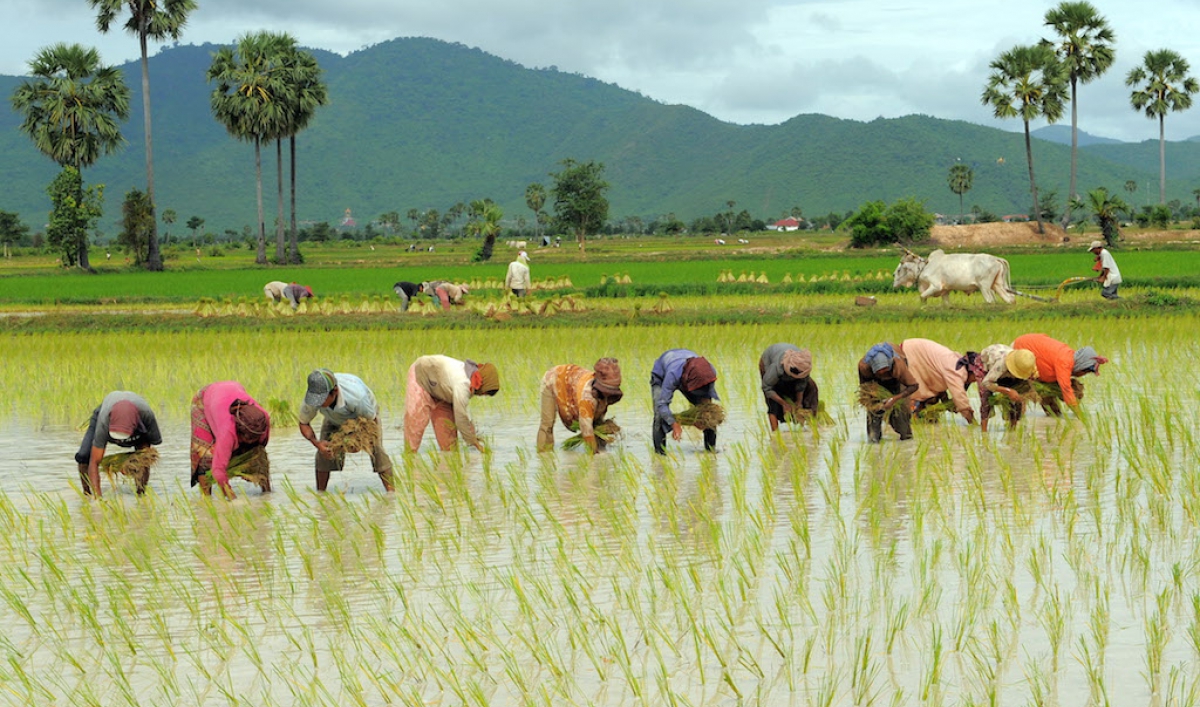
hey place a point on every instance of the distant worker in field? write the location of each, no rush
(293, 293)
(124, 419)
(689, 373)
(339, 398)
(439, 390)
(1004, 371)
(446, 293)
(940, 373)
(406, 291)
(578, 397)
(517, 280)
(887, 365)
(274, 290)
(226, 422)
(1059, 364)
(1110, 275)
(784, 371)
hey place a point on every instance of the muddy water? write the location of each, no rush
(1040, 565)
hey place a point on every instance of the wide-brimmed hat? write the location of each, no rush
(1095, 245)
(321, 383)
(608, 376)
(1021, 363)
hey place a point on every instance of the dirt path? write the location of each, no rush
(1008, 234)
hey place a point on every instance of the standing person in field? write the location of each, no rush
(1004, 369)
(689, 373)
(784, 371)
(293, 293)
(940, 372)
(1110, 274)
(406, 291)
(439, 390)
(1058, 363)
(887, 365)
(517, 279)
(339, 398)
(124, 419)
(578, 396)
(226, 422)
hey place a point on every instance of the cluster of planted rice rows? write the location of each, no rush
(1051, 565)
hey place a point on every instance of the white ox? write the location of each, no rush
(963, 272)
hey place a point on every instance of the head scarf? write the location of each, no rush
(797, 363)
(123, 420)
(1086, 361)
(879, 357)
(250, 421)
(489, 379)
(697, 373)
(523, 257)
(607, 378)
(973, 362)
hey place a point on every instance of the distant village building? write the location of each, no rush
(348, 220)
(787, 224)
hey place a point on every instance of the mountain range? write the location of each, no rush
(421, 123)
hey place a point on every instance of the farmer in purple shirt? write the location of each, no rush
(689, 373)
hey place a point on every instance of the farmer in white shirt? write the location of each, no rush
(1110, 274)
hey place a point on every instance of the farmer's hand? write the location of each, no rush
(1012, 395)
(887, 404)
(227, 490)
(323, 448)
(676, 431)
(970, 416)
(479, 446)
(789, 407)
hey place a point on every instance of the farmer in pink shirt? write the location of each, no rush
(226, 421)
(939, 373)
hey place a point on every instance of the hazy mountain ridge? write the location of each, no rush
(420, 123)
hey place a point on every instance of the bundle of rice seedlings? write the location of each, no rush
(872, 396)
(933, 412)
(663, 305)
(135, 464)
(606, 431)
(252, 467)
(1053, 391)
(787, 279)
(705, 416)
(281, 413)
(1026, 394)
(356, 435)
(801, 415)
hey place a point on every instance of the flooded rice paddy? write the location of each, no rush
(1054, 564)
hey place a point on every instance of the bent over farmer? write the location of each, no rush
(439, 390)
(689, 373)
(339, 398)
(578, 397)
(1058, 363)
(293, 293)
(124, 419)
(886, 365)
(226, 422)
(939, 372)
(784, 370)
(1004, 369)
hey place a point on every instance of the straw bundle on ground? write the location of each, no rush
(705, 416)
(872, 396)
(606, 431)
(357, 435)
(134, 464)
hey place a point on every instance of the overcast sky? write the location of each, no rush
(742, 61)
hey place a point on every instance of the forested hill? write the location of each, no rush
(420, 123)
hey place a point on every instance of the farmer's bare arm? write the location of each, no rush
(322, 446)
(94, 469)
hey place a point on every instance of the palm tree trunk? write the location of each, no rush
(280, 240)
(1162, 160)
(960, 209)
(1037, 212)
(153, 256)
(294, 248)
(261, 256)
(1071, 195)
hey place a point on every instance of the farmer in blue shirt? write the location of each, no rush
(689, 373)
(339, 398)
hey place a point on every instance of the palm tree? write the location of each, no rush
(1164, 87)
(168, 217)
(250, 100)
(1027, 82)
(485, 222)
(307, 93)
(148, 19)
(1107, 208)
(1084, 46)
(960, 179)
(72, 107)
(535, 199)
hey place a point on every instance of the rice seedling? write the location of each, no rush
(606, 431)
(355, 435)
(708, 415)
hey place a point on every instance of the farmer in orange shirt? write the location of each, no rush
(1059, 363)
(578, 396)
